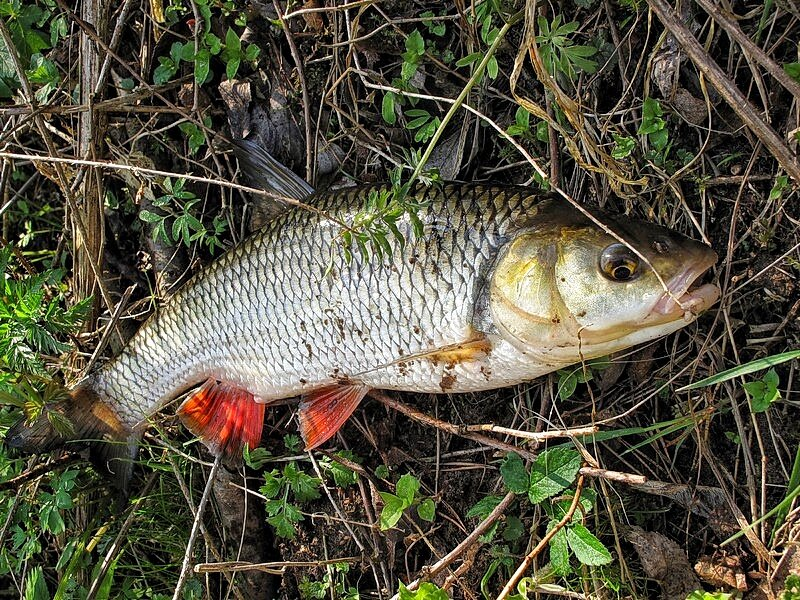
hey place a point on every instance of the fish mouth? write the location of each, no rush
(687, 297)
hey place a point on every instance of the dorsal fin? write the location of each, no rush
(267, 173)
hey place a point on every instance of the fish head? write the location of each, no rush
(565, 289)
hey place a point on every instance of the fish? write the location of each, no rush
(502, 284)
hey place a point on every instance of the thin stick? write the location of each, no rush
(276, 568)
(539, 436)
(628, 478)
(448, 427)
(187, 558)
(511, 584)
(472, 538)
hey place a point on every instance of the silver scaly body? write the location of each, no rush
(284, 313)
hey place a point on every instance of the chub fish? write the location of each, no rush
(504, 285)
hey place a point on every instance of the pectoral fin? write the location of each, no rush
(326, 409)
(225, 417)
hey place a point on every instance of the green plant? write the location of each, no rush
(703, 595)
(195, 135)
(407, 495)
(33, 319)
(545, 485)
(763, 392)
(559, 53)
(654, 126)
(425, 591)
(568, 379)
(283, 487)
(208, 45)
(333, 584)
(372, 226)
(623, 146)
(791, 588)
(341, 475)
(34, 28)
(176, 206)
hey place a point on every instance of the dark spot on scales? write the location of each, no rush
(447, 382)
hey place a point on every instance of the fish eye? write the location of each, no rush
(619, 263)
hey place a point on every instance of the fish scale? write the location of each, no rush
(267, 317)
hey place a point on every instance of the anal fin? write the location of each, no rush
(225, 417)
(324, 411)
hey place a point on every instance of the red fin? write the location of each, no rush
(225, 417)
(325, 410)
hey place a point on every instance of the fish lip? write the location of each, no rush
(682, 299)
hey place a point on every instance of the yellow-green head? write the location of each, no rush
(566, 290)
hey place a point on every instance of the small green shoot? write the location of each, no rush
(333, 585)
(407, 495)
(791, 588)
(703, 595)
(372, 226)
(763, 392)
(780, 185)
(195, 135)
(568, 379)
(341, 475)
(654, 126)
(792, 70)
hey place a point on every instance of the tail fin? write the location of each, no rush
(89, 421)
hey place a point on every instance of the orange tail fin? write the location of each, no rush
(82, 418)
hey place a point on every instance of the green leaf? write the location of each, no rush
(387, 108)
(745, 369)
(567, 383)
(559, 553)
(426, 591)
(514, 528)
(515, 477)
(764, 392)
(427, 510)
(623, 146)
(587, 548)
(202, 66)
(492, 68)
(35, 586)
(407, 487)
(484, 507)
(469, 59)
(552, 472)
(232, 42)
(283, 526)
(793, 70)
(393, 507)
(272, 484)
(415, 44)
(303, 486)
